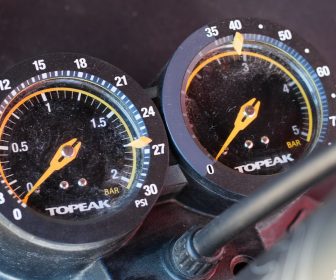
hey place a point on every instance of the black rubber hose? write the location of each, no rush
(264, 201)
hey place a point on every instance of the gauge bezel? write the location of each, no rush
(110, 227)
(228, 182)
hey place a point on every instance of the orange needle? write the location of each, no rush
(139, 143)
(238, 42)
(65, 154)
(247, 114)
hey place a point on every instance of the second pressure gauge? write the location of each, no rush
(246, 98)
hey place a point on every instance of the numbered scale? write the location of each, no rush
(244, 100)
(83, 152)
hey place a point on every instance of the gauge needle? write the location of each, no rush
(139, 143)
(65, 154)
(247, 114)
(238, 42)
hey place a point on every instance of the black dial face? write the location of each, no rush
(227, 88)
(83, 151)
(245, 100)
(89, 139)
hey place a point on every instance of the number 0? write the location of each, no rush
(210, 169)
(17, 214)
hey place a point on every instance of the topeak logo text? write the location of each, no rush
(250, 167)
(80, 207)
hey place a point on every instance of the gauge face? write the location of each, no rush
(97, 143)
(75, 150)
(246, 98)
(227, 86)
